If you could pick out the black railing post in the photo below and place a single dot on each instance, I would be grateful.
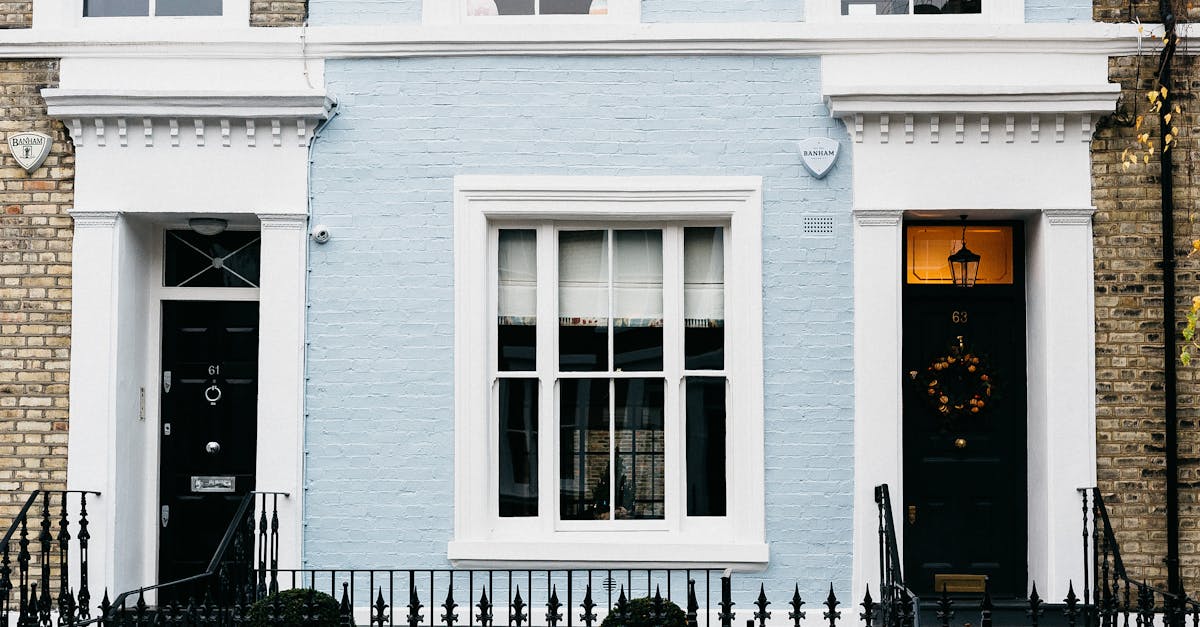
(85, 593)
(726, 615)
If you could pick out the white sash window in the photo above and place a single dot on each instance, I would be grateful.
(614, 395)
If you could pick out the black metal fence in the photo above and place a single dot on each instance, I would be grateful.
(243, 585)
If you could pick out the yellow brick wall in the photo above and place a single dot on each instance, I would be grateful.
(1129, 333)
(262, 13)
(35, 292)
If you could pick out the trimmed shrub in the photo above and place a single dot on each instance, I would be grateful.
(292, 604)
(640, 611)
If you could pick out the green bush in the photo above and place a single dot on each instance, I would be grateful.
(639, 615)
(291, 609)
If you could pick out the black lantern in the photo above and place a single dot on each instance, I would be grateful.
(964, 264)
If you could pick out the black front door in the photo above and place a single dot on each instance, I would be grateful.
(964, 435)
(209, 427)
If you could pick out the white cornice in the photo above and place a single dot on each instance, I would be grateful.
(845, 101)
(794, 39)
(64, 103)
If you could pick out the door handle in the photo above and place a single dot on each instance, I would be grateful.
(912, 514)
(165, 515)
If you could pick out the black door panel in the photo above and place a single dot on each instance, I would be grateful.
(208, 431)
(965, 479)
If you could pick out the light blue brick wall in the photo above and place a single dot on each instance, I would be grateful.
(363, 12)
(379, 487)
(1058, 10)
(723, 11)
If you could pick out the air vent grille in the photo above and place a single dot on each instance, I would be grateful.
(818, 225)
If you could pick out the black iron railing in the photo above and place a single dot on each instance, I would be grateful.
(1111, 596)
(243, 569)
(35, 571)
(897, 604)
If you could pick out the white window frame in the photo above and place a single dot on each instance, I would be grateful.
(483, 203)
(68, 14)
(453, 12)
(994, 12)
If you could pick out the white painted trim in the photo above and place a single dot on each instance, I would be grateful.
(787, 39)
(480, 536)
(75, 103)
(846, 101)
(1061, 357)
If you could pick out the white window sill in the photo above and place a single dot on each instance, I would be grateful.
(740, 557)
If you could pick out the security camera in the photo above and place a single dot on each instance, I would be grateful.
(320, 234)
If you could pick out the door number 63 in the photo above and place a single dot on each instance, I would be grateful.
(958, 317)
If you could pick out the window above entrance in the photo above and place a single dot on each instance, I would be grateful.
(229, 259)
(928, 248)
(909, 11)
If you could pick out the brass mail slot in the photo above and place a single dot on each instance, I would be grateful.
(213, 484)
(960, 583)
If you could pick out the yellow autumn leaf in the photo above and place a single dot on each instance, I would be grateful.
(1167, 118)
(1175, 130)
(1168, 138)
(1177, 109)
(1146, 159)
(1163, 91)
(1137, 125)
(1153, 96)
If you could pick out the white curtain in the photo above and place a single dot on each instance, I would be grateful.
(583, 278)
(518, 276)
(638, 278)
(704, 276)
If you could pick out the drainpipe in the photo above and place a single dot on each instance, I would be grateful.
(1170, 350)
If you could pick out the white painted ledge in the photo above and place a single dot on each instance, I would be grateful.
(68, 103)
(407, 40)
(622, 554)
(1041, 98)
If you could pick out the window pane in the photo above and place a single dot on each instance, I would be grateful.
(572, 7)
(947, 6)
(583, 300)
(501, 7)
(639, 474)
(230, 259)
(929, 247)
(704, 298)
(638, 300)
(705, 446)
(115, 8)
(518, 447)
(584, 493)
(187, 7)
(874, 7)
(517, 300)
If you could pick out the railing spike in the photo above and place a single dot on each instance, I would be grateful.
(1145, 606)
(1035, 607)
(588, 606)
(516, 613)
(450, 616)
(945, 607)
(414, 617)
(621, 612)
(345, 612)
(693, 606)
(1071, 611)
(380, 616)
(797, 614)
(658, 613)
(761, 614)
(553, 615)
(832, 602)
(485, 609)
(868, 614)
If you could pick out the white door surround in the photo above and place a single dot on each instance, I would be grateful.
(150, 153)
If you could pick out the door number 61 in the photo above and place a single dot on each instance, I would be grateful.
(215, 370)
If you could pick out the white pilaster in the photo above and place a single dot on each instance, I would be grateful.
(878, 424)
(281, 372)
(1062, 399)
(92, 438)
